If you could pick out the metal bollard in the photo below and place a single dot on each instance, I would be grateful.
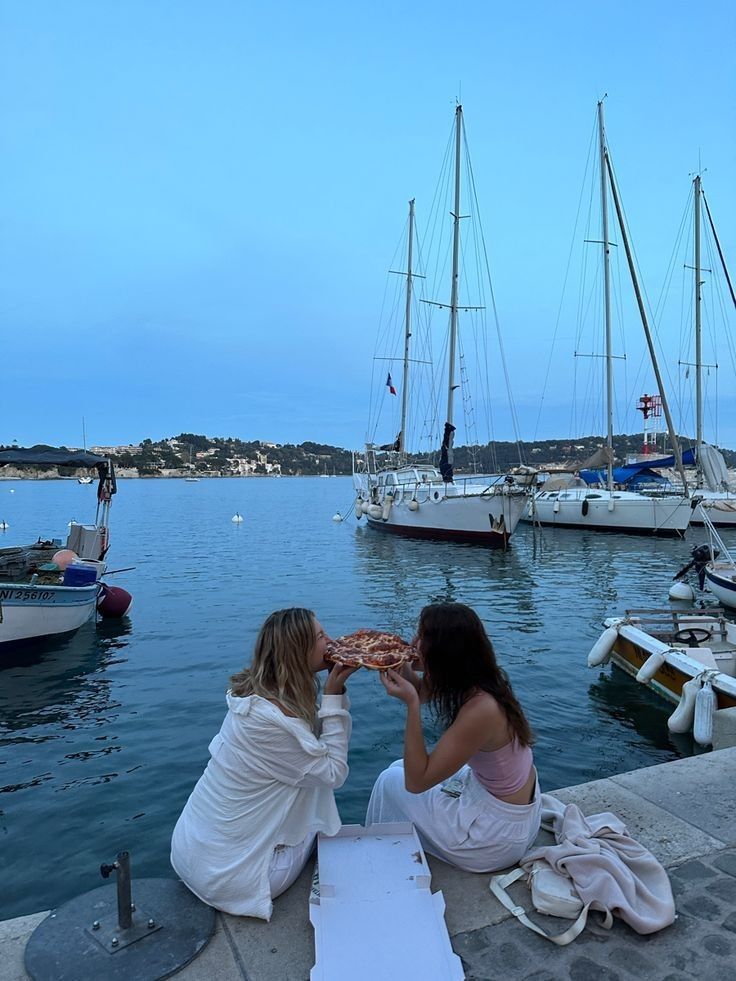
(125, 904)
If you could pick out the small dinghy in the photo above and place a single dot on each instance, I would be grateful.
(686, 656)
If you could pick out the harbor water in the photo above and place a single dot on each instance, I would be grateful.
(103, 736)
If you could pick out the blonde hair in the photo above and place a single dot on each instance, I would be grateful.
(280, 668)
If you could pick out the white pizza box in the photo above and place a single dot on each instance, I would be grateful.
(376, 918)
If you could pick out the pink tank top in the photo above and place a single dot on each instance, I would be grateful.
(503, 771)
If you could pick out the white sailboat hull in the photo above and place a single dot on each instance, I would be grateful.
(721, 580)
(719, 506)
(476, 512)
(619, 511)
(33, 612)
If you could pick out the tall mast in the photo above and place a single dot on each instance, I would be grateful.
(407, 332)
(698, 339)
(607, 296)
(455, 262)
(645, 324)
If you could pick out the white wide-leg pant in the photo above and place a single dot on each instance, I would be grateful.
(475, 831)
(286, 864)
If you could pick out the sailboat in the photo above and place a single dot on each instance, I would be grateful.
(570, 502)
(717, 498)
(85, 478)
(424, 500)
(191, 479)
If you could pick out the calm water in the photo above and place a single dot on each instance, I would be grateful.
(103, 736)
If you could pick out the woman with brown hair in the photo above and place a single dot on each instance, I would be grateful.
(487, 816)
(250, 823)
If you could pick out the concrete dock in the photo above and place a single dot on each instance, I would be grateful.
(684, 812)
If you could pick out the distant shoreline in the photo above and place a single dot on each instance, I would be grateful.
(170, 476)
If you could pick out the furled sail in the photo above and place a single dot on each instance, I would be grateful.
(601, 458)
(713, 467)
(447, 454)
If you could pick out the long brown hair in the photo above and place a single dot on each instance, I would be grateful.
(459, 660)
(280, 668)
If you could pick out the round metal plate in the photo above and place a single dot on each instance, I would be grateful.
(62, 948)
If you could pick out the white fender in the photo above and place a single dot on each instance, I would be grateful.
(556, 507)
(611, 504)
(387, 504)
(600, 652)
(651, 666)
(366, 507)
(681, 591)
(375, 511)
(413, 504)
(359, 508)
(705, 706)
(681, 719)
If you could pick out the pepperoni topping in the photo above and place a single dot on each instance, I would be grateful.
(374, 649)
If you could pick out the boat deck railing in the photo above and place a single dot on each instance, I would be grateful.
(663, 623)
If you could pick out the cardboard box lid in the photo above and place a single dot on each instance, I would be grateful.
(376, 917)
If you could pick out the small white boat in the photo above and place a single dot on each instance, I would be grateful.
(84, 480)
(721, 579)
(686, 656)
(37, 599)
(713, 565)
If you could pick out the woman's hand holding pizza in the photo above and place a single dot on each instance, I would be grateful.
(339, 674)
(399, 687)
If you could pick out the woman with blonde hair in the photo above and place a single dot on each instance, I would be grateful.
(473, 797)
(250, 823)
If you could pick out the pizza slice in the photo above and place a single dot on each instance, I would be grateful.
(375, 649)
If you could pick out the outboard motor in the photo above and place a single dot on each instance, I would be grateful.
(701, 556)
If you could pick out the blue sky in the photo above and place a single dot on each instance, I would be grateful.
(199, 202)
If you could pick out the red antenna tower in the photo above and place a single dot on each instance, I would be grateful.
(650, 407)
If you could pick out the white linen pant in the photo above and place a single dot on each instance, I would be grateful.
(475, 831)
(286, 864)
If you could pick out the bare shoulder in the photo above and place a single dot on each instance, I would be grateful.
(482, 714)
(484, 706)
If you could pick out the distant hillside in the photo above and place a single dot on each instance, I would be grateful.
(191, 453)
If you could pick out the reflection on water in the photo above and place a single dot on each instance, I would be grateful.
(60, 682)
(103, 735)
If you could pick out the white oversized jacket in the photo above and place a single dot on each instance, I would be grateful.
(270, 781)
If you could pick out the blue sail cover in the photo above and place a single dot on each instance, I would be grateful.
(638, 473)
